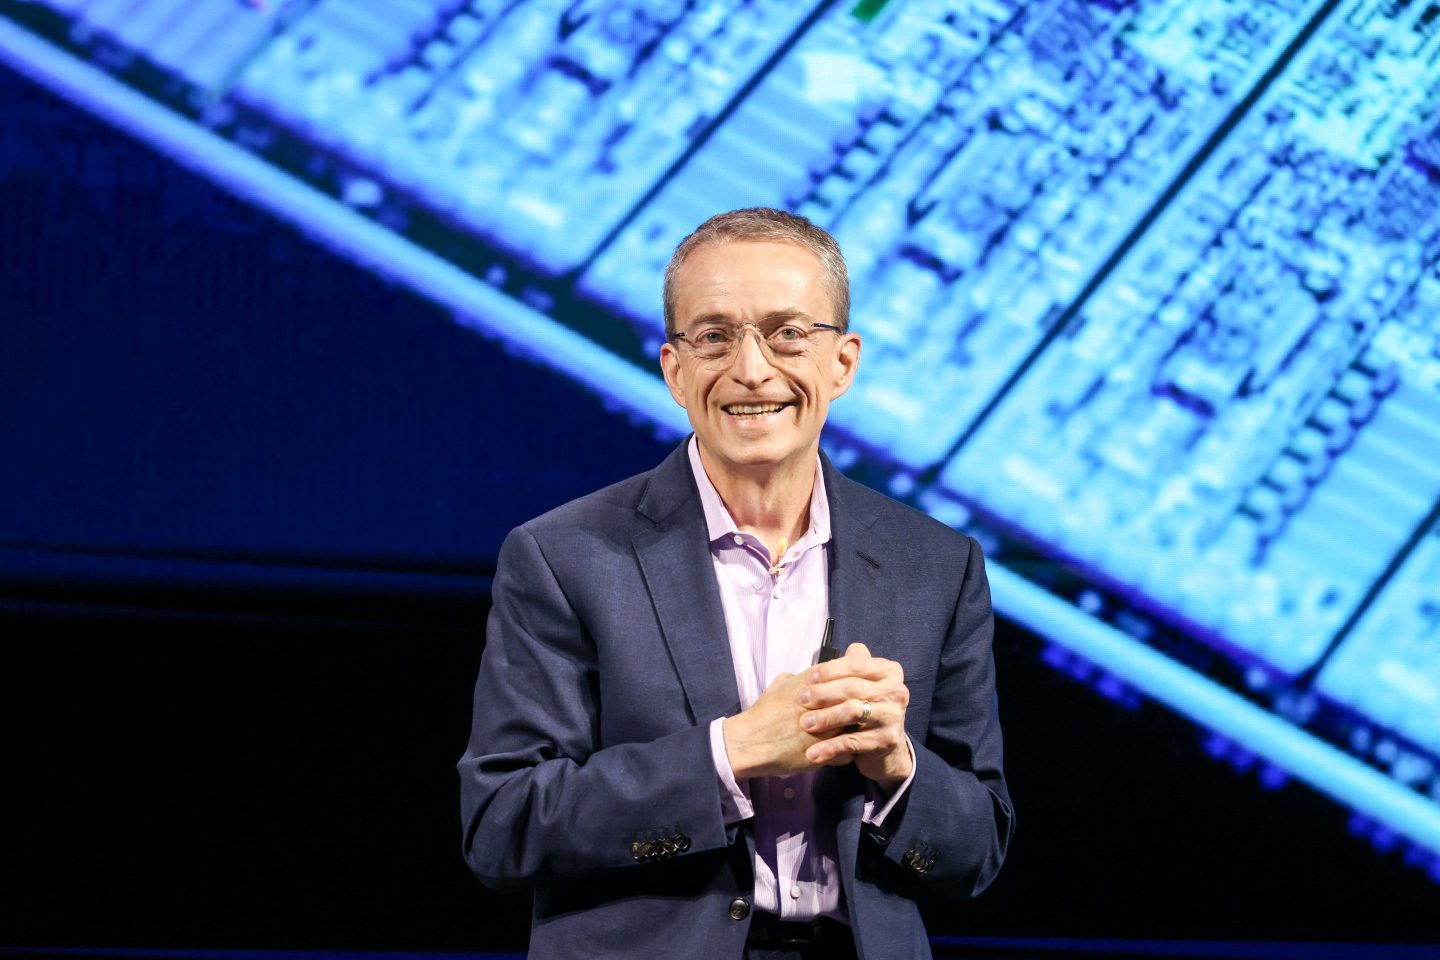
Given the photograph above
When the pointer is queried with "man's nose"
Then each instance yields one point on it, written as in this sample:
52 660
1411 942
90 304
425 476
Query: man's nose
751 363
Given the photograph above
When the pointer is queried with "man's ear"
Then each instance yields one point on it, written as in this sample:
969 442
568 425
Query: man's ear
674 375
847 361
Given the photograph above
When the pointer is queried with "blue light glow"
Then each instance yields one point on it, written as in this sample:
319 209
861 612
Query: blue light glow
1148 288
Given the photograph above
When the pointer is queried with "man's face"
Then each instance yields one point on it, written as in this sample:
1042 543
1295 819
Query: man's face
757 282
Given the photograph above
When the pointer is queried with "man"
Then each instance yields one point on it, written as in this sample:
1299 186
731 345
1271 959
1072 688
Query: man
656 751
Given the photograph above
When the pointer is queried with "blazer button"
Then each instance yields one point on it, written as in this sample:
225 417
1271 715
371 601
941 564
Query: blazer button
739 908
637 851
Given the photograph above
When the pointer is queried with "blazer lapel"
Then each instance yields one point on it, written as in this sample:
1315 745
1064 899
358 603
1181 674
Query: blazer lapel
673 549
859 600
861 605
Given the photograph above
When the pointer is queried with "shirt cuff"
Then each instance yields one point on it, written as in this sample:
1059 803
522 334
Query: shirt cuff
876 797
735 802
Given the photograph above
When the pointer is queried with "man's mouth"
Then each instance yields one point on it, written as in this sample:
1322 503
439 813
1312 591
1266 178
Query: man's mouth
752 411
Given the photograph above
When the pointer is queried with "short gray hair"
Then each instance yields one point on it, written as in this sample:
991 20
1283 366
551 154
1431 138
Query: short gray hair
765 224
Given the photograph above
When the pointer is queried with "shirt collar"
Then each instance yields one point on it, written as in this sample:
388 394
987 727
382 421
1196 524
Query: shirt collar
718 521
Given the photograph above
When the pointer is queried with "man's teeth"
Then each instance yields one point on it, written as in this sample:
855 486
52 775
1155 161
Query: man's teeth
753 409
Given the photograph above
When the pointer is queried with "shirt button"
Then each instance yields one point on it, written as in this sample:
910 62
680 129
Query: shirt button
776 594
795 892
739 540
789 793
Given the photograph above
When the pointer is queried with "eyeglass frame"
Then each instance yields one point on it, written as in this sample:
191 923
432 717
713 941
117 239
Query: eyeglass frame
770 351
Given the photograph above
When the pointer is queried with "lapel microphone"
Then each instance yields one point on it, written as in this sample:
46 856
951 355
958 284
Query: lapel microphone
779 555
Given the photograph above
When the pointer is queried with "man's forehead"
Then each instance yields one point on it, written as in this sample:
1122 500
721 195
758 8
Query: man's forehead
721 246
721 271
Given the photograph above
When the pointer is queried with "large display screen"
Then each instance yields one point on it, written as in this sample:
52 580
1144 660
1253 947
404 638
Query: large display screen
1149 289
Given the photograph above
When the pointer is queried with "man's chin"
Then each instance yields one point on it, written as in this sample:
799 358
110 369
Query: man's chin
752 453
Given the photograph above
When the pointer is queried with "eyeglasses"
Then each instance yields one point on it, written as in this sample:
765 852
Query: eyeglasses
713 340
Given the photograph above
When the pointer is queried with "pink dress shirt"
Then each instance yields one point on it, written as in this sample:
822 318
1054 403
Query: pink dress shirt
775 623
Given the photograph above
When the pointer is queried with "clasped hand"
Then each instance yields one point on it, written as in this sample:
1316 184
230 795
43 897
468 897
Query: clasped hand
819 718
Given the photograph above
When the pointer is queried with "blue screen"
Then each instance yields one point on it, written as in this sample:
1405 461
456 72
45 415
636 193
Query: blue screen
1149 289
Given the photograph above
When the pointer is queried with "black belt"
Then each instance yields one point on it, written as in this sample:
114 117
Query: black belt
768 930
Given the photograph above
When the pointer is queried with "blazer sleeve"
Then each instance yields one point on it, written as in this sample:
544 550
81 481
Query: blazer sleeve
955 825
542 799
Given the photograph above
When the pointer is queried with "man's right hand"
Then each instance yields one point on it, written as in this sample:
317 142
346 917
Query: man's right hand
767 740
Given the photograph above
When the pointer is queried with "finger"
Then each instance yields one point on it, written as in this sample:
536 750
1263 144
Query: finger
850 715
840 749
862 718
846 744
855 665
833 718
833 692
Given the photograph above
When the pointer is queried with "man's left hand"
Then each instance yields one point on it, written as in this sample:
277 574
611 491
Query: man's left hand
835 699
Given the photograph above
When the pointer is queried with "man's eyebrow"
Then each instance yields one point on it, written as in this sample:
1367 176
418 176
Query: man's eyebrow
790 314
785 314
709 318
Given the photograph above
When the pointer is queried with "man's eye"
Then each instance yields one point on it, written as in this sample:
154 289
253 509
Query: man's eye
788 334
713 335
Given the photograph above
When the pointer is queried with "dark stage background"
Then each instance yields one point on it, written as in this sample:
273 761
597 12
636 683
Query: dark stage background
250 498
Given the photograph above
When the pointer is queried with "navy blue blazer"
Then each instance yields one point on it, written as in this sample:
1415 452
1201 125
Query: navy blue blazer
588 777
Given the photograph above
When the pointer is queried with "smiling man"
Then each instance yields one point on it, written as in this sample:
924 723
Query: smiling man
667 748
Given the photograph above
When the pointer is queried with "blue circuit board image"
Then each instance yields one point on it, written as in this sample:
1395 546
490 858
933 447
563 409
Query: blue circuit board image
1149 289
